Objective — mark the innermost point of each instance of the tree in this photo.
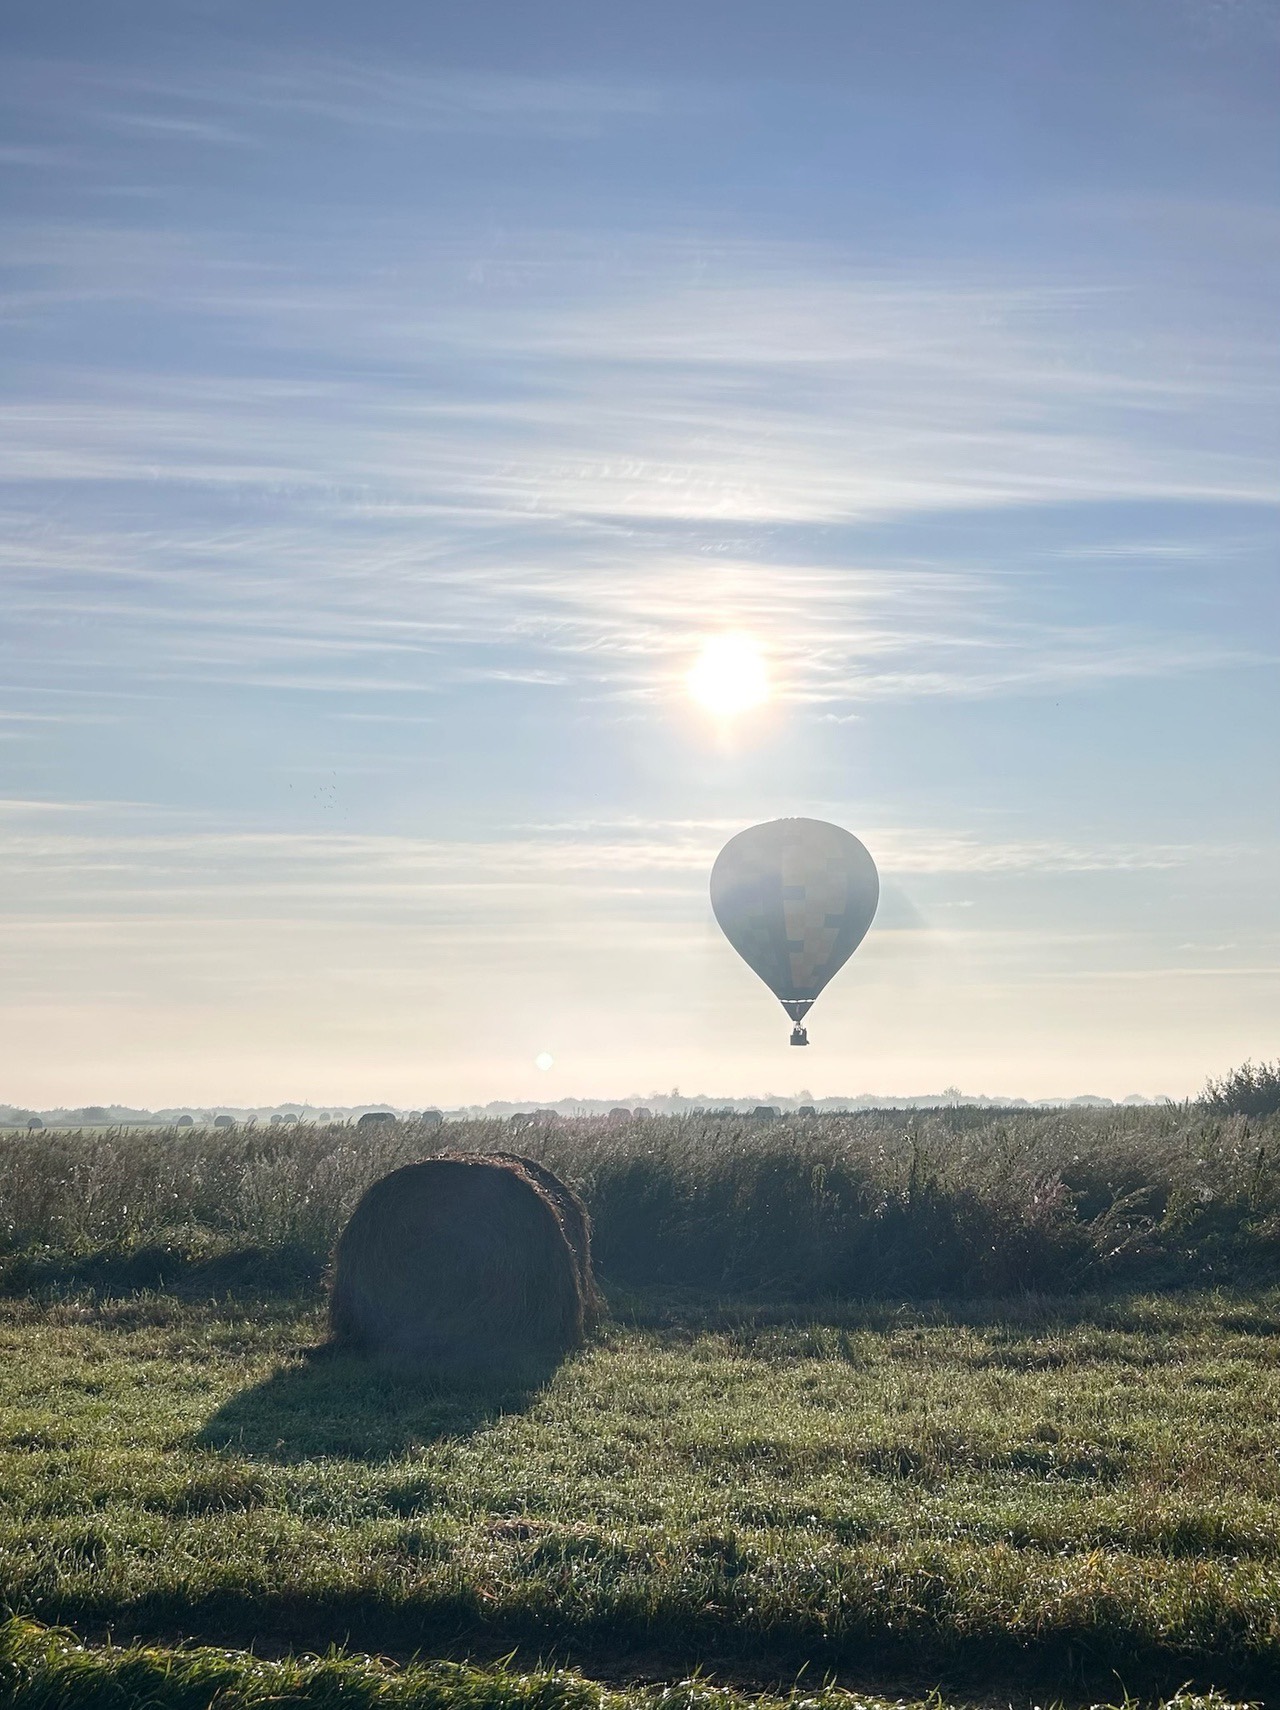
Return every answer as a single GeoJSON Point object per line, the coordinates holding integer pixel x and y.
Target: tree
{"type": "Point", "coordinates": [1251, 1090]}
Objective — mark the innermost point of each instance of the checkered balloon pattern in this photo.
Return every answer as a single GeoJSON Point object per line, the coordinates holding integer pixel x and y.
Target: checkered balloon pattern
{"type": "Point", "coordinates": [795, 898]}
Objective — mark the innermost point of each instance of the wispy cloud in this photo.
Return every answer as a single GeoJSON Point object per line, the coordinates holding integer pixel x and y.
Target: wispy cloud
{"type": "Point", "coordinates": [348, 392]}
{"type": "Point", "coordinates": [597, 485]}
{"type": "Point", "coordinates": [248, 103]}
{"type": "Point", "coordinates": [599, 854]}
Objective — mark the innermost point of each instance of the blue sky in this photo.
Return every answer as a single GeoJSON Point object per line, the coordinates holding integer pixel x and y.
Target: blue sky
{"type": "Point", "coordinates": [396, 398]}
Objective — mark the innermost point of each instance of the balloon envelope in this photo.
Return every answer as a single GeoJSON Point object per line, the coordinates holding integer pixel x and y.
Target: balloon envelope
{"type": "Point", "coordinates": [795, 898]}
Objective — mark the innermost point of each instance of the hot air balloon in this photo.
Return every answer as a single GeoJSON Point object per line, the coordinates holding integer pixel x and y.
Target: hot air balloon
{"type": "Point", "coordinates": [795, 898]}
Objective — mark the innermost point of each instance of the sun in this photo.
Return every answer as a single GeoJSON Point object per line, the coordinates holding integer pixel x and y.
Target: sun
{"type": "Point", "coordinates": [730, 675]}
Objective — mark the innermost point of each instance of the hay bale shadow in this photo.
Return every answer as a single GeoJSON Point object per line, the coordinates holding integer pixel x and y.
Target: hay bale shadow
{"type": "Point", "coordinates": [336, 1402]}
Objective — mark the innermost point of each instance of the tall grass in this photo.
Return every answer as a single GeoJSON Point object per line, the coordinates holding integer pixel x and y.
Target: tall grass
{"type": "Point", "coordinates": [881, 1203]}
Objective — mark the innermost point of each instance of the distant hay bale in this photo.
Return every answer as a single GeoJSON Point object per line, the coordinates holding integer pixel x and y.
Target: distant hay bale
{"type": "Point", "coordinates": [374, 1118]}
{"type": "Point", "coordinates": [432, 1118]}
{"type": "Point", "coordinates": [575, 1220]}
{"type": "Point", "coordinates": [223, 1122]}
{"type": "Point", "coordinates": [460, 1260]}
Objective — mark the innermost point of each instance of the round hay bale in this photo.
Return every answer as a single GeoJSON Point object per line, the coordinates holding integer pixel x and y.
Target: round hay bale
{"type": "Point", "coordinates": [462, 1261]}
{"type": "Point", "coordinates": [375, 1118]}
{"type": "Point", "coordinates": [575, 1220]}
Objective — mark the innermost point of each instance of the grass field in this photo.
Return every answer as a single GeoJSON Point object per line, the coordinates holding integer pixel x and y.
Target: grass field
{"type": "Point", "coordinates": [1067, 1499]}
{"type": "Point", "coordinates": [757, 1479]}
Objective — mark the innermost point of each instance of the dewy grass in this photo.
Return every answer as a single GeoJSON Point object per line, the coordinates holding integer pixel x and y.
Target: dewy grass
{"type": "Point", "coordinates": [48, 1670]}
{"type": "Point", "coordinates": [889, 1204]}
{"type": "Point", "coordinates": [1073, 1497]}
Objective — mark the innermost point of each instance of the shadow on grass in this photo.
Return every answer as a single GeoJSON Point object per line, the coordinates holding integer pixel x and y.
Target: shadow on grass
{"type": "Point", "coordinates": [337, 1402]}
{"type": "Point", "coordinates": [114, 1272]}
{"type": "Point", "coordinates": [679, 1314]}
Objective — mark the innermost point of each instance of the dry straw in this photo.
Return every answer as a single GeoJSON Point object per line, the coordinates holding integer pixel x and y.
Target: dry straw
{"type": "Point", "coordinates": [465, 1260]}
{"type": "Point", "coordinates": [574, 1220]}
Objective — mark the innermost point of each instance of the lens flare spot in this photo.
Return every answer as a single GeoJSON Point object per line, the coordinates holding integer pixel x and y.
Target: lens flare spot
{"type": "Point", "coordinates": [544, 1061]}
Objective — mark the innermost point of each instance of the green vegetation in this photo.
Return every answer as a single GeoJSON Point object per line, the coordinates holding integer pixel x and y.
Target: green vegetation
{"type": "Point", "coordinates": [1080, 1497]}
{"type": "Point", "coordinates": [40, 1670]}
{"type": "Point", "coordinates": [889, 1204]}
{"type": "Point", "coordinates": [1251, 1090]}
{"type": "Point", "coordinates": [889, 1401]}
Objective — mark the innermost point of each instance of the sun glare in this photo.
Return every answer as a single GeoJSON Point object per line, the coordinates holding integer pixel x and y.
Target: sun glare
{"type": "Point", "coordinates": [730, 675]}
{"type": "Point", "coordinates": [544, 1061]}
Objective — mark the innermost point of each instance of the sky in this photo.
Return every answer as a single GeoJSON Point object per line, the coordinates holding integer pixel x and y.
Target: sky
{"type": "Point", "coordinates": [397, 398]}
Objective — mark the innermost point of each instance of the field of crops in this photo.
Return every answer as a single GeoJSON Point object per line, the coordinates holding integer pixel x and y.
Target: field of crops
{"type": "Point", "coordinates": [763, 1476]}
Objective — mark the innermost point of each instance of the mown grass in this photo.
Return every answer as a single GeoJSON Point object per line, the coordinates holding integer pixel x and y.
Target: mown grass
{"type": "Point", "coordinates": [1074, 1497]}
{"type": "Point", "coordinates": [781, 1459]}
{"type": "Point", "coordinates": [49, 1670]}
{"type": "Point", "coordinates": [889, 1204]}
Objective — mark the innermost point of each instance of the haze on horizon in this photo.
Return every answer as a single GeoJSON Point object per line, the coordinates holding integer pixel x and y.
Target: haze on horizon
{"type": "Point", "coordinates": [398, 400]}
